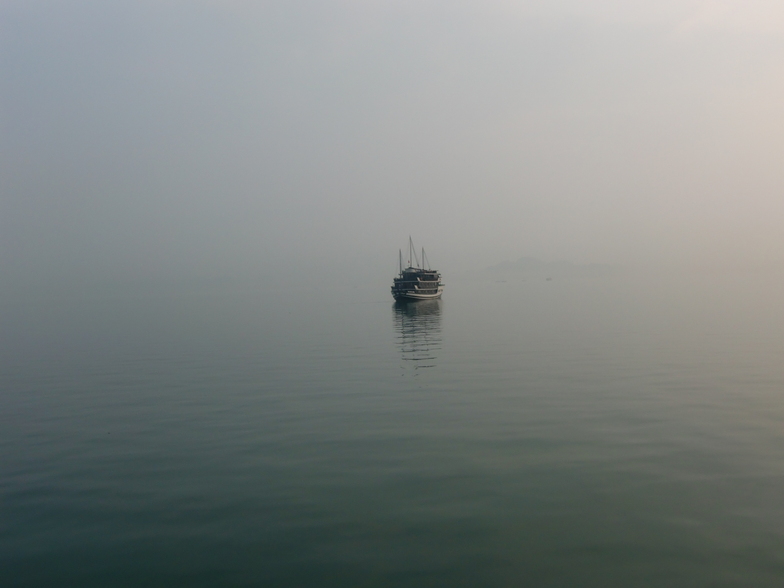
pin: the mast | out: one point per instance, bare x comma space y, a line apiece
400, 252
412, 256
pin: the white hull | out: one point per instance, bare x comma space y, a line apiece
417, 296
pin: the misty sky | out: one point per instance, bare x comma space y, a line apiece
222, 137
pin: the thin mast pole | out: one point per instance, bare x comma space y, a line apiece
400, 252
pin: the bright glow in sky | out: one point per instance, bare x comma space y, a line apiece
225, 137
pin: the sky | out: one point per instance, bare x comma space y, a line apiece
150, 139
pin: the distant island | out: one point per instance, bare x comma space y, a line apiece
530, 267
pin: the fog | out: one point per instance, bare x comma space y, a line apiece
199, 140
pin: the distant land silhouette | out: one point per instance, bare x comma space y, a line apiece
530, 267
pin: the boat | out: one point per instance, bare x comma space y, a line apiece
416, 282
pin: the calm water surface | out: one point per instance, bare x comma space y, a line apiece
565, 433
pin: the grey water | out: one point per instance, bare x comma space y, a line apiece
607, 432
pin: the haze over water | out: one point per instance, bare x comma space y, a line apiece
608, 432
204, 380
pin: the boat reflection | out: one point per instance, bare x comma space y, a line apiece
418, 328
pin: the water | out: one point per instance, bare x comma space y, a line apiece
567, 433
